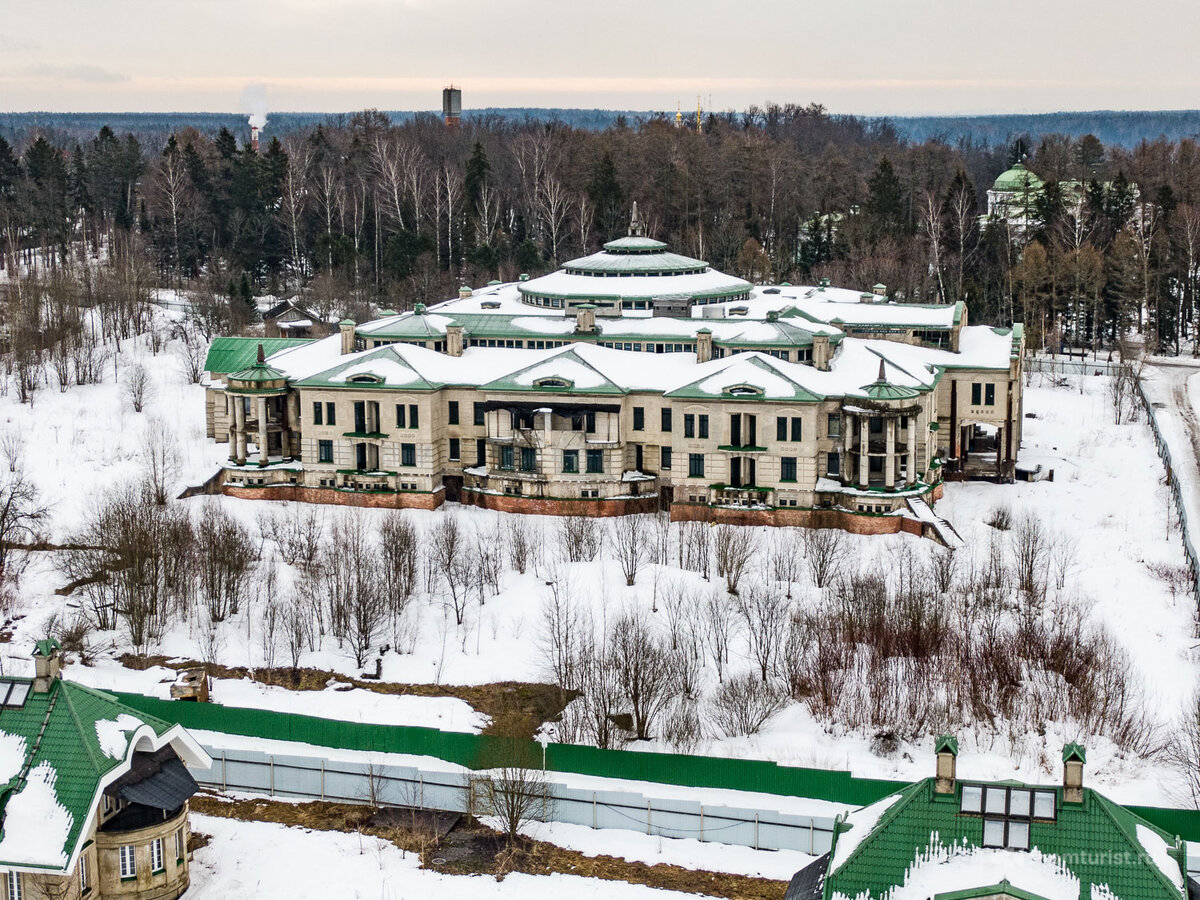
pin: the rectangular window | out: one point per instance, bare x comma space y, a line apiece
408, 454
695, 465
1018, 836
180, 848
590, 423
833, 426
993, 832
833, 464
14, 886
665, 463
156, 855
325, 451
331, 413
528, 459
128, 864
452, 412
666, 419
506, 458
84, 881
595, 461
787, 468
780, 428
703, 423
570, 463
401, 418
318, 419
480, 452
455, 450
1043, 804
995, 801
989, 395
480, 414
412, 415
972, 798
1019, 803
639, 418
976, 393
689, 425
797, 428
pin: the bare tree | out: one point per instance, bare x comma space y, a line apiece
139, 389
733, 547
449, 556
399, 553
580, 537
521, 543
717, 630
825, 549
628, 534
744, 703
644, 669
764, 611
160, 459
514, 793
22, 512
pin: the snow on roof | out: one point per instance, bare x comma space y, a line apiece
12, 756
941, 869
1156, 850
308, 359
36, 824
423, 323
570, 284
506, 297
827, 304
112, 734
861, 823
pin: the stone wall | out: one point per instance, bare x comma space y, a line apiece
602, 507
855, 523
303, 494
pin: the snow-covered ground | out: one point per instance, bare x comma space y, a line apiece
1107, 496
360, 867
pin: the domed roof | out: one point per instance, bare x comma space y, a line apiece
1018, 178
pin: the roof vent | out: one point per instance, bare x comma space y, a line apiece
866, 298
946, 748
464, 293
1074, 756
772, 315
419, 309
47, 658
771, 290
490, 304
523, 277
824, 283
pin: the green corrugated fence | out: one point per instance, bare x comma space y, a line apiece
478, 751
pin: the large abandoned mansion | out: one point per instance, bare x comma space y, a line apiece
632, 379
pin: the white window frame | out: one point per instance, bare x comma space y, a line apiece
157, 862
84, 887
13, 883
180, 845
128, 861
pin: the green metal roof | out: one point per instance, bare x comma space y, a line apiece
635, 263
233, 354
634, 244
59, 729
737, 379
568, 366
1018, 178
1096, 841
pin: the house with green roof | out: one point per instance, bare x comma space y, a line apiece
93, 794
949, 839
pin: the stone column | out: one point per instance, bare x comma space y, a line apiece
285, 434
889, 460
913, 421
262, 431
293, 422
229, 417
864, 442
239, 426
847, 441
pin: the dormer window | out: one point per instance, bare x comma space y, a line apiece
1007, 812
490, 304
743, 390
365, 379
554, 383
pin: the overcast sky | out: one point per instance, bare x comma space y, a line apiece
861, 56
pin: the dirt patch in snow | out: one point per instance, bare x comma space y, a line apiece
472, 849
517, 709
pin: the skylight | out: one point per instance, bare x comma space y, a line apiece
13, 693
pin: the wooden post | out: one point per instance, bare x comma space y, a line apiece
272, 776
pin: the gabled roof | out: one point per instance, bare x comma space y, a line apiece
747, 370
383, 367
233, 354
568, 366
1109, 851
56, 753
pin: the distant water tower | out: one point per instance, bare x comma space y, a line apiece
451, 106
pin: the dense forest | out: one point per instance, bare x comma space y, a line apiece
359, 211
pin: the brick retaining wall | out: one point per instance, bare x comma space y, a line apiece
514, 503
303, 494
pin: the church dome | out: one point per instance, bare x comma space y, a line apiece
1018, 178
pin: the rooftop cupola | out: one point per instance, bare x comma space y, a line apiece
1074, 756
346, 328
47, 661
946, 748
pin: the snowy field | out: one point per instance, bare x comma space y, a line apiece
1107, 499
359, 867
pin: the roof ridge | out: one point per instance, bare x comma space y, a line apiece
87, 745
907, 795
1109, 808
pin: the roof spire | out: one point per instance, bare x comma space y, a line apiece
637, 228
882, 374
262, 359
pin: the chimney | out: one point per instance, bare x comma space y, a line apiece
879, 290
822, 352
464, 293
772, 315
523, 277
824, 284
946, 748
1074, 756
346, 327
585, 319
47, 660
454, 339
704, 347
866, 298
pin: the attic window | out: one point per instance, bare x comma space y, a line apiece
365, 379
743, 390
560, 383
490, 304
738, 310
